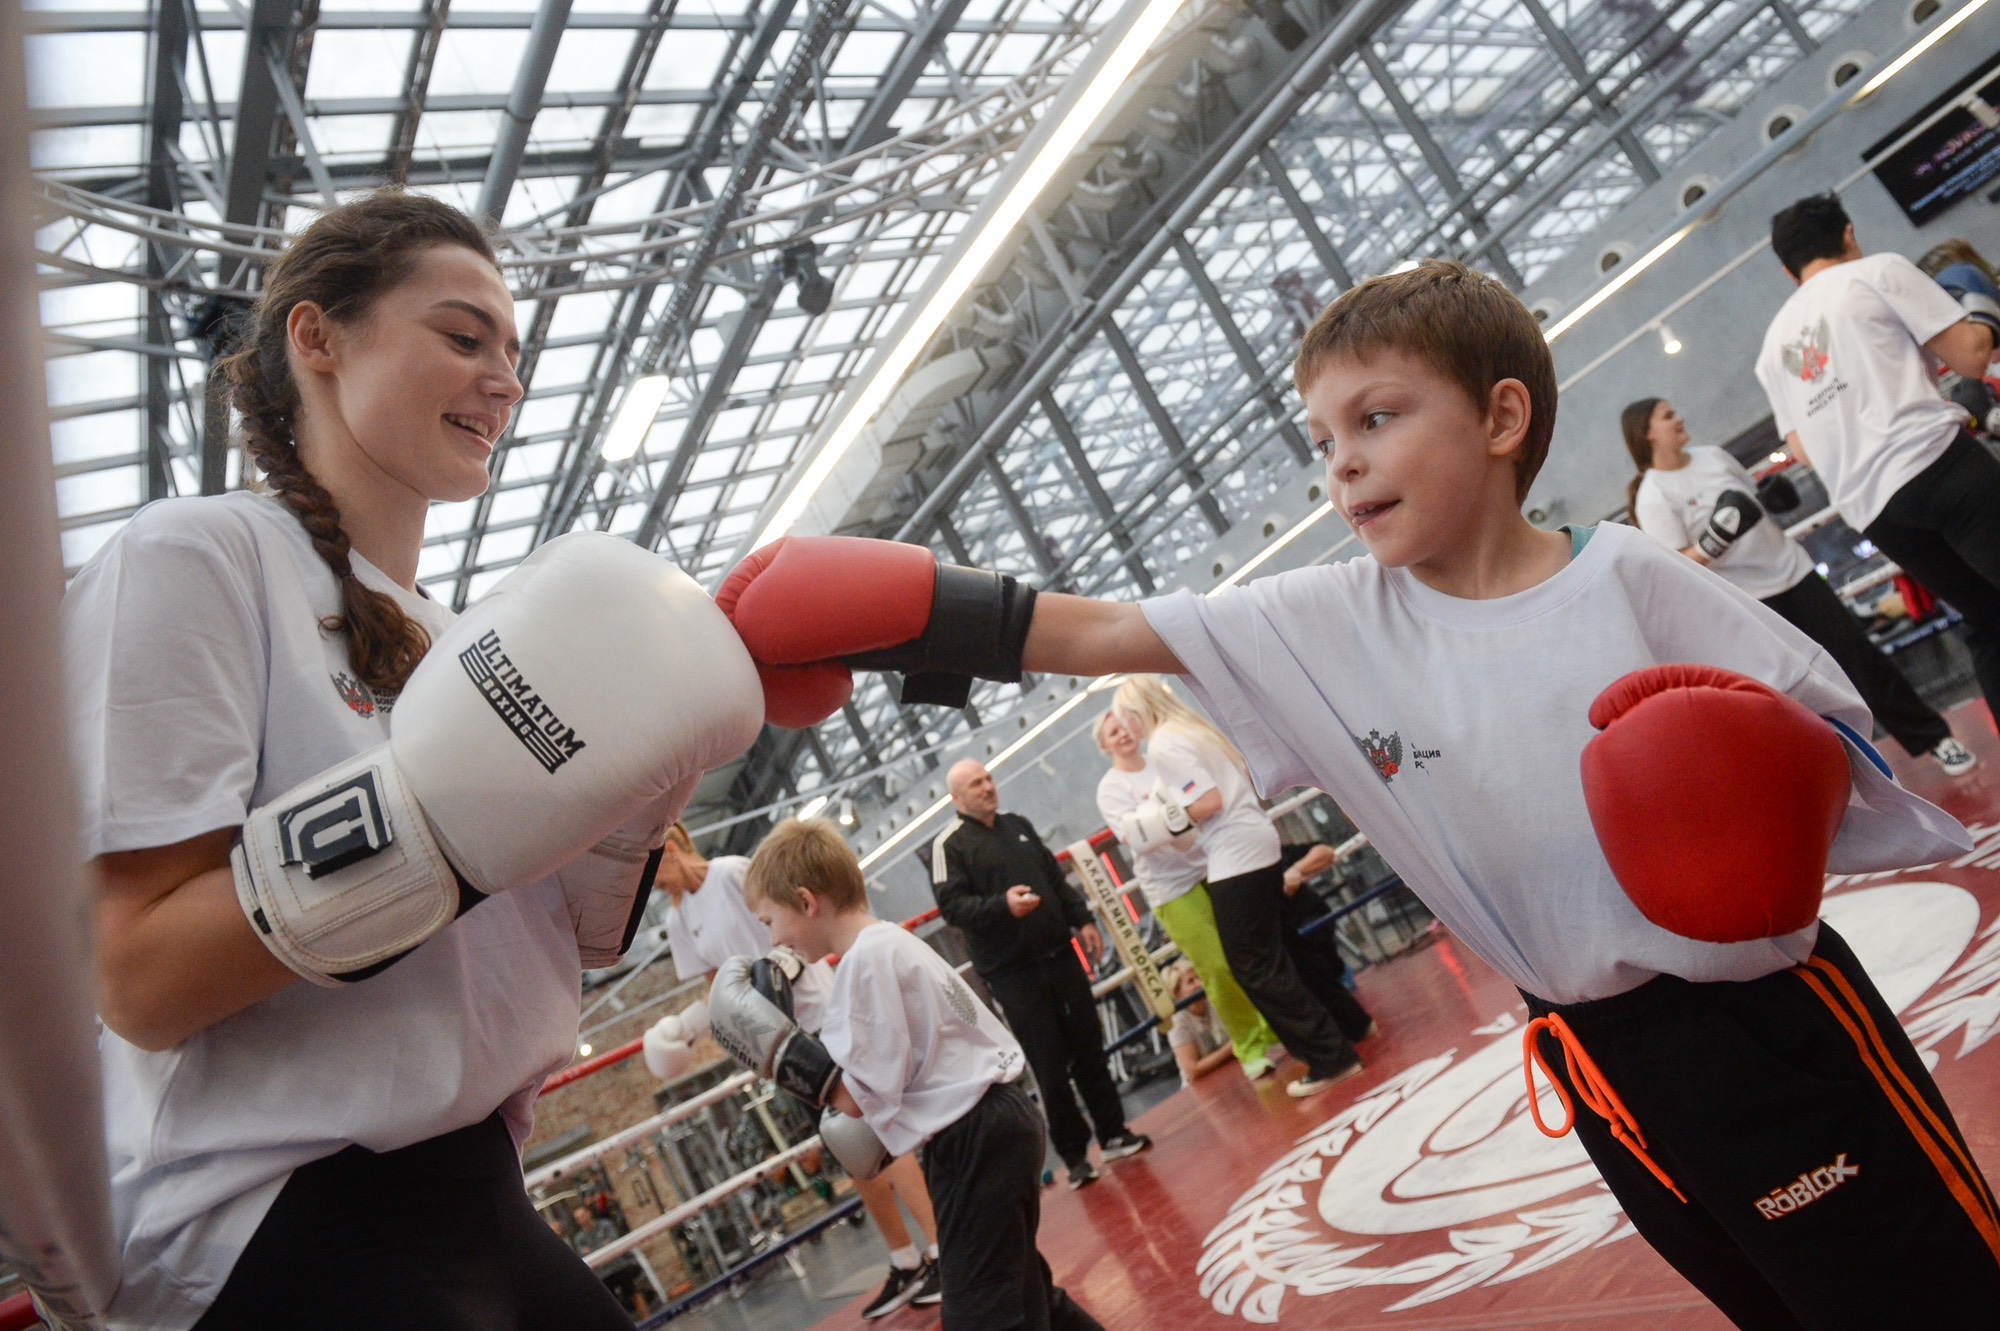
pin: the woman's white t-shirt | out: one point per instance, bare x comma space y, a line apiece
1239, 838
708, 927
1845, 369
200, 686
1673, 508
1451, 732
1166, 872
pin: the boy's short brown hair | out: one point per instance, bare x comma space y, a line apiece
805, 853
1464, 324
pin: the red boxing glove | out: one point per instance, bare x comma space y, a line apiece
808, 607
1715, 799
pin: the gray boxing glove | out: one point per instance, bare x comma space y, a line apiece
853, 1143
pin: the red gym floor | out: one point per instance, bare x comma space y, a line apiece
1421, 1197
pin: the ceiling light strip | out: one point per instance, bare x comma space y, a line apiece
1120, 50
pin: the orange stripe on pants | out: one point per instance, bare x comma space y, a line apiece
1927, 1130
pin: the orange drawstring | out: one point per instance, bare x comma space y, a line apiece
1592, 1086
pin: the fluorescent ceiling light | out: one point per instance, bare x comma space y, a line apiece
635, 418
995, 228
1616, 284
813, 805
1895, 66
1257, 560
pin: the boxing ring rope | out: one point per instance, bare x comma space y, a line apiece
571, 1165
55, 1195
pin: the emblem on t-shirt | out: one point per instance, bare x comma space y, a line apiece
1384, 752
961, 1000
360, 699
1807, 357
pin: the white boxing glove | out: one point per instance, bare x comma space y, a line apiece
1158, 821
668, 1045
853, 1143
591, 687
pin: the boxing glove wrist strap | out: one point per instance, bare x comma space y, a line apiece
341, 875
978, 629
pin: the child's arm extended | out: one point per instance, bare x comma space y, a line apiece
1074, 635
809, 608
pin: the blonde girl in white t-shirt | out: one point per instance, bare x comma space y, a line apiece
1246, 883
285, 1154
1674, 498
1172, 879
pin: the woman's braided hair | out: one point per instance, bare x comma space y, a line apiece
343, 262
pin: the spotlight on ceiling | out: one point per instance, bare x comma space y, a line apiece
847, 818
1668, 342
800, 263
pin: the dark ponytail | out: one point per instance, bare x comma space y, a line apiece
1637, 423
342, 262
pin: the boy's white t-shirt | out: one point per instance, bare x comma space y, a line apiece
1166, 872
199, 686
916, 1048
1673, 508
1451, 732
1237, 839
1844, 367
707, 928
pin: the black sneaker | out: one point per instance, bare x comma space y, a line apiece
1124, 1144
901, 1287
931, 1290
1080, 1173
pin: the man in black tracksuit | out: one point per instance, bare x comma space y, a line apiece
998, 884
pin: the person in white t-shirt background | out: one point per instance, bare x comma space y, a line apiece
1285, 975
1848, 365
1702, 502
1171, 876
707, 924
345, 1152
911, 1061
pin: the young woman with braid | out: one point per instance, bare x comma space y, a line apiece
344, 1152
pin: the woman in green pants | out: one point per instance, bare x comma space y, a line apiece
1171, 877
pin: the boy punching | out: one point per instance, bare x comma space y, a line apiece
911, 1059
1655, 898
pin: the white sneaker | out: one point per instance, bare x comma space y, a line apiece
1953, 757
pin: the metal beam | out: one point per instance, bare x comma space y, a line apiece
1024, 521
581, 464
1156, 411
1440, 165
267, 27
416, 83
1141, 246
1246, 357
1329, 257
524, 103
749, 321
1565, 51
170, 40
874, 125
1093, 489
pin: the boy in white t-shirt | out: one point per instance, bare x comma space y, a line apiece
1850, 367
927, 1067
1444, 689
707, 924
